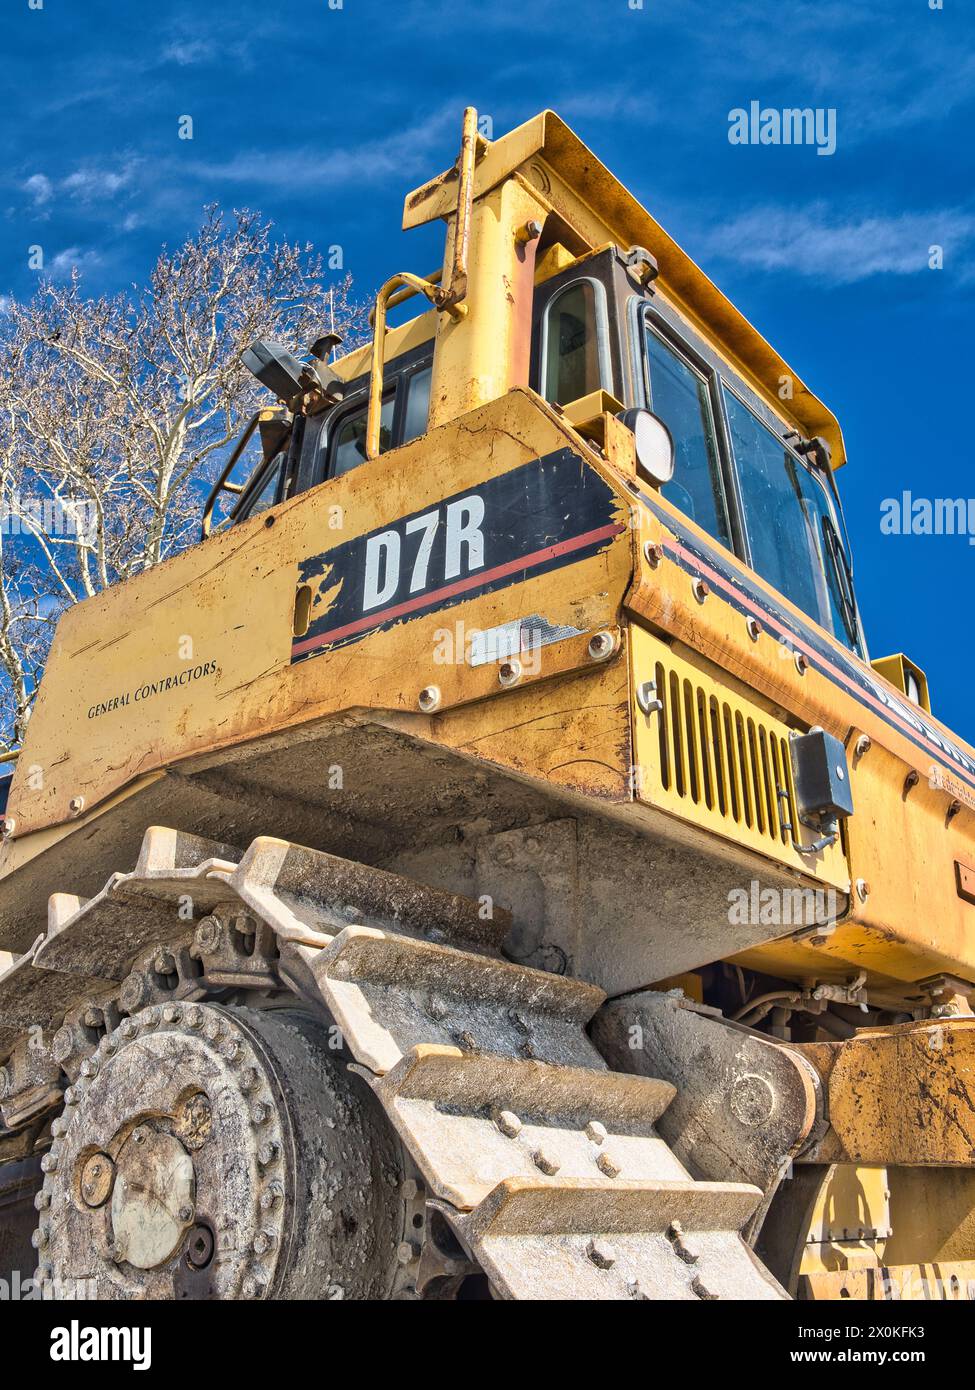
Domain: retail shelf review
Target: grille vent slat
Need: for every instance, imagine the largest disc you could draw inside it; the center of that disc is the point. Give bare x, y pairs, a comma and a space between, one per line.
731, 765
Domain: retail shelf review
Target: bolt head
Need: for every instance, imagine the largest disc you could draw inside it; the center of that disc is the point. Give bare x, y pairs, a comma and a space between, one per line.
271, 1196
601, 1253
76, 805
207, 936
608, 1166
546, 1163
429, 698
596, 1132
134, 993
602, 645
263, 1242
508, 1123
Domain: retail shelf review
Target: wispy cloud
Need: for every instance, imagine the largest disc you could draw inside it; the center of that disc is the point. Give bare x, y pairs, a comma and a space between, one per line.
40, 189
186, 53
88, 184
403, 154
93, 183
71, 258
842, 250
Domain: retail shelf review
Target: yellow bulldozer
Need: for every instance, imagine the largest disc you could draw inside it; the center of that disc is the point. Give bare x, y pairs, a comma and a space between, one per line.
489, 864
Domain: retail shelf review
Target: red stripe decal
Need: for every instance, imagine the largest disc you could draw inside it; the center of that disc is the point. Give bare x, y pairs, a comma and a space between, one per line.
472, 581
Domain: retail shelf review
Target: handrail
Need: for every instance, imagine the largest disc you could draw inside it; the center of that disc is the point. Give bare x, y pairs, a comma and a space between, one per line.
448, 298
457, 288
401, 296
374, 415
221, 485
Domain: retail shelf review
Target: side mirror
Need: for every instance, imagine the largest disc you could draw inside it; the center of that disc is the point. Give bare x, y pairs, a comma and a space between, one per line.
908, 678
654, 445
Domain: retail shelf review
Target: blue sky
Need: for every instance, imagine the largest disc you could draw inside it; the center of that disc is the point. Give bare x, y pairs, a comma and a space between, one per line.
323, 118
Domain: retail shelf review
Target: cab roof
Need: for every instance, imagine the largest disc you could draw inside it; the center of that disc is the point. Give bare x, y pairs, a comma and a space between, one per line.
591, 199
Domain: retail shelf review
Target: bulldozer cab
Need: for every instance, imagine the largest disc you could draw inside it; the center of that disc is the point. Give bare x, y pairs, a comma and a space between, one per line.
604, 334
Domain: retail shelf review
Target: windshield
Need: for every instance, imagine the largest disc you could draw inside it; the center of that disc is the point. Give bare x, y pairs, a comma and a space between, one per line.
679, 395
790, 525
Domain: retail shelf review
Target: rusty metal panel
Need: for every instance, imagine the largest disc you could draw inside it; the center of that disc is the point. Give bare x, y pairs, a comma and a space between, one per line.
899, 1096
121, 698
952, 1282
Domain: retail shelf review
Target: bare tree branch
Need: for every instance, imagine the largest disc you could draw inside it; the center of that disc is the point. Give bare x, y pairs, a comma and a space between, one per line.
116, 412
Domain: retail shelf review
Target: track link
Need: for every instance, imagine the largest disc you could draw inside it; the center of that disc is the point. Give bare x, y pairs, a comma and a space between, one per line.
545, 1165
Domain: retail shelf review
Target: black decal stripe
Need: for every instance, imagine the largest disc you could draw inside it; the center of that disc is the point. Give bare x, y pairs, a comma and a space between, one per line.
482, 582
549, 512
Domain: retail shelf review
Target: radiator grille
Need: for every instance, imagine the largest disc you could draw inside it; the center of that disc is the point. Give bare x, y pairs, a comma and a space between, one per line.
730, 762
713, 756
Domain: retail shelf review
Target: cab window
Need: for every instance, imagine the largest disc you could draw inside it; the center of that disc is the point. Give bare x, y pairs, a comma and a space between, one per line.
265, 492
417, 405
347, 448
679, 394
789, 521
571, 345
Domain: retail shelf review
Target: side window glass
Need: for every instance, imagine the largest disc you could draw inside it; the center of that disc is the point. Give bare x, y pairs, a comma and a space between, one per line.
572, 345
417, 405
793, 541
267, 492
348, 447
679, 395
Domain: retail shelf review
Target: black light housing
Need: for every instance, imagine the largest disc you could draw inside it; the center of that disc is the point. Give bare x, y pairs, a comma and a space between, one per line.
275, 367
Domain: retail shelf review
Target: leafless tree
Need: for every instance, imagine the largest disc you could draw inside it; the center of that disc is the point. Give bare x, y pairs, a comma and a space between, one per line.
114, 411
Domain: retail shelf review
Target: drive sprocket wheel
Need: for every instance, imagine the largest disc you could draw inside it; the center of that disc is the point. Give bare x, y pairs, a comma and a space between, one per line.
220, 1153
